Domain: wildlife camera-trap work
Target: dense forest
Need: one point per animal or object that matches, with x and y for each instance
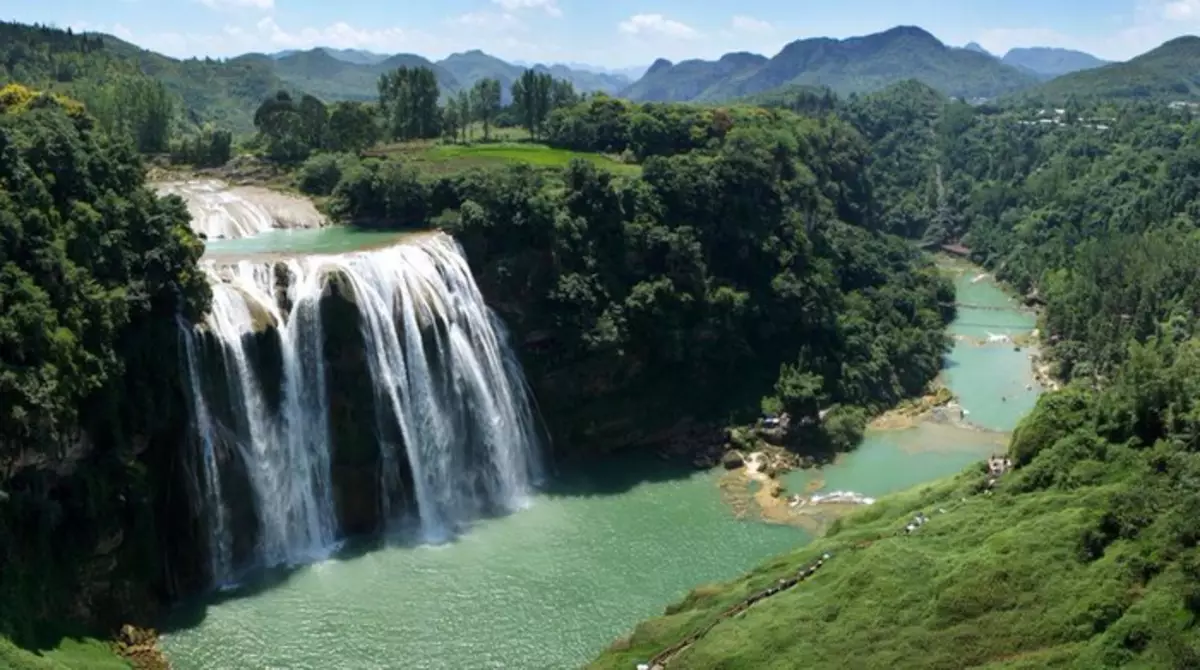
(94, 272)
(744, 262)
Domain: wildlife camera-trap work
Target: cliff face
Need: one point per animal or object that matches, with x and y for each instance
(103, 535)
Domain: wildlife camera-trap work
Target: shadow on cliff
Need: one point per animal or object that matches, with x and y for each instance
(612, 476)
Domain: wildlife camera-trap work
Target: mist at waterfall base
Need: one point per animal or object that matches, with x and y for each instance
(454, 426)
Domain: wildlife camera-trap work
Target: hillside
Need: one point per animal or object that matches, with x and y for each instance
(337, 75)
(854, 65)
(224, 93)
(356, 56)
(1084, 557)
(320, 73)
(1169, 72)
(1049, 62)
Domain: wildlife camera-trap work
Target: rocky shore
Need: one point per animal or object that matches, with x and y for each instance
(140, 647)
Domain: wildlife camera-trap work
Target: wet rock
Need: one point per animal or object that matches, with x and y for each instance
(732, 460)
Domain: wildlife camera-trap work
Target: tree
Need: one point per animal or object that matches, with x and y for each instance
(486, 103)
(465, 114)
(451, 119)
(409, 99)
(280, 124)
(314, 119)
(532, 98)
(353, 126)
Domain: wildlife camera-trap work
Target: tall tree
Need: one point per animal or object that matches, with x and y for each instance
(409, 98)
(353, 126)
(280, 125)
(486, 102)
(532, 98)
(466, 114)
(314, 120)
(450, 119)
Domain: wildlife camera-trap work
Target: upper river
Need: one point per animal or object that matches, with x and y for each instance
(595, 552)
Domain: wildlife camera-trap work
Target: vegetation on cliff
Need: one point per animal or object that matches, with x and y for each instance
(93, 271)
(743, 261)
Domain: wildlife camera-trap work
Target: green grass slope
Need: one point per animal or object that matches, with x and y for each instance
(69, 654)
(1170, 72)
(1084, 557)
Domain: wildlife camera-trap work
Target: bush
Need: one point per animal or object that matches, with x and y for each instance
(320, 174)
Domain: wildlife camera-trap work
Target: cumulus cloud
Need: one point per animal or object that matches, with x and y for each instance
(549, 6)
(749, 24)
(657, 25)
(238, 4)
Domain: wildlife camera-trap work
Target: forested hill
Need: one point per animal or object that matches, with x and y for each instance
(854, 65)
(1088, 554)
(98, 69)
(1170, 72)
(101, 69)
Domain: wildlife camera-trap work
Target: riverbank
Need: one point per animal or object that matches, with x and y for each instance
(988, 385)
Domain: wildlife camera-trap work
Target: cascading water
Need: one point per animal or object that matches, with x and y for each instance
(467, 424)
(221, 211)
(207, 496)
(454, 423)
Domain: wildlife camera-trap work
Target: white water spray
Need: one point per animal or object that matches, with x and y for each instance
(221, 211)
(444, 379)
(208, 495)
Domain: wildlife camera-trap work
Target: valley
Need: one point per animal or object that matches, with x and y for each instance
(330, 357)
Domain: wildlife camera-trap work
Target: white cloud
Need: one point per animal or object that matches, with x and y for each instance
(549, 6)
(494, 22)
(1148, 25)
(657, 25)
(749, 24)
(490, 32)
(1182, 10)
(238, 4)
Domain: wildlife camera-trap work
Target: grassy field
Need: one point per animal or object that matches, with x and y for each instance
(69, 654)
(995, 581)
(444, 158)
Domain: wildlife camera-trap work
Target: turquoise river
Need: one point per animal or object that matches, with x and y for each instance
(595, 552)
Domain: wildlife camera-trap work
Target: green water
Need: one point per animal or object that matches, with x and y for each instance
(552, 585)
(331, 240)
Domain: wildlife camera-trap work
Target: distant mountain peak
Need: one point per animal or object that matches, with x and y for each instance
(908, 31)
(1051, 61)
(659, 65)
(977, 48)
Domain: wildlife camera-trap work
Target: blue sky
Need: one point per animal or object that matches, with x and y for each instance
(614, 33)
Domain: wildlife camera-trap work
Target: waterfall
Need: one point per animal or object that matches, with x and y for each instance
(453, 420)
(286, 452)
(207, 495)
(467, 424)
(221, 211)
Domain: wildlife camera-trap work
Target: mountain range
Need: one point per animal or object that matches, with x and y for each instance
(353, 74)
(226, 92)
(853, 65)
